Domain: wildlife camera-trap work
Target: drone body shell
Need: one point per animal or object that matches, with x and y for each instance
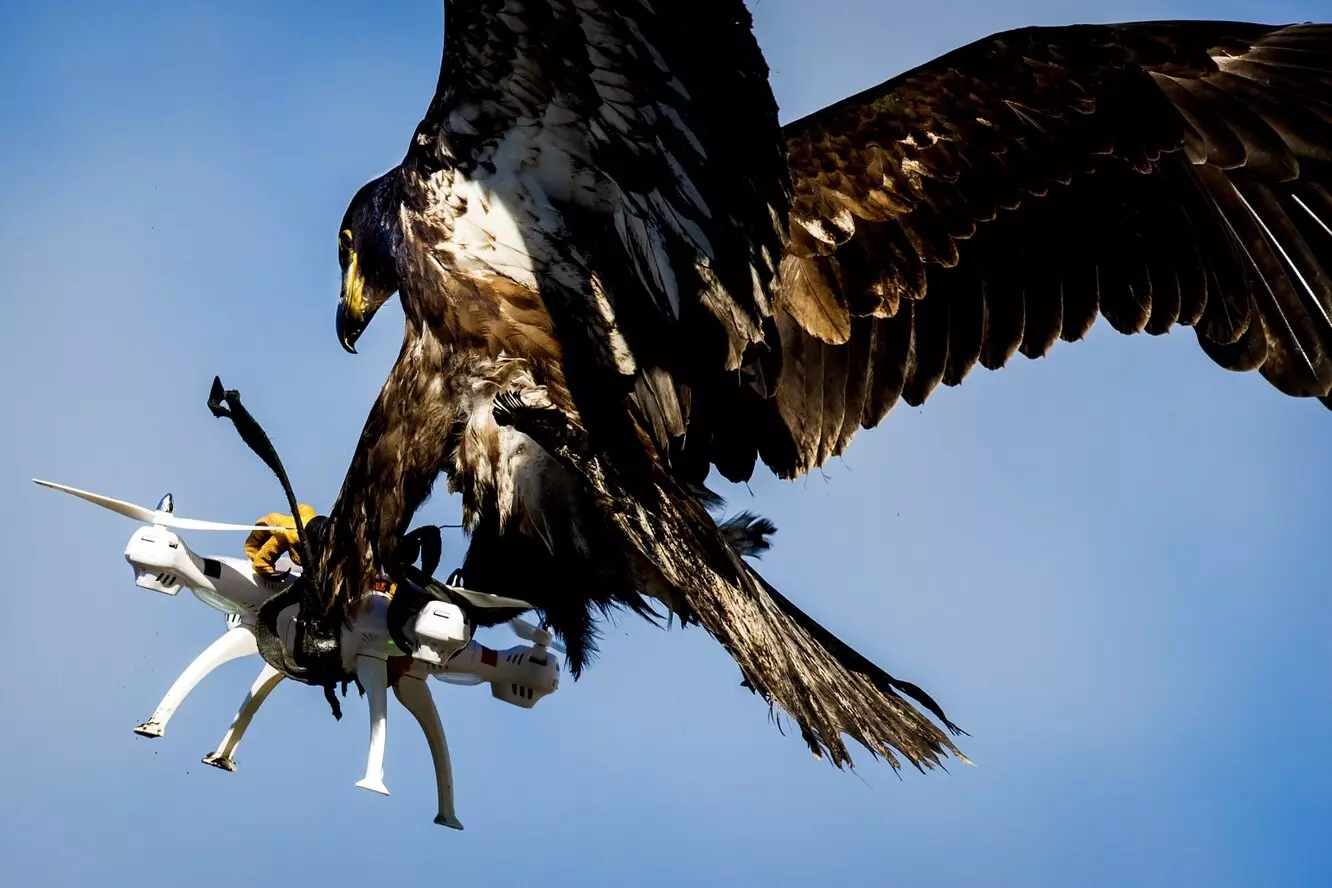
(441, 632)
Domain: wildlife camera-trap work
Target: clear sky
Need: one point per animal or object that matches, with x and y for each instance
(1111, 566)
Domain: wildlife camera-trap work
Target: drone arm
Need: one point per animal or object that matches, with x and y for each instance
(521, 676)
(268, 679)
(415, 697)
(234, 643)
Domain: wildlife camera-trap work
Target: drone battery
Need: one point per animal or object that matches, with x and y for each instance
(441, 631)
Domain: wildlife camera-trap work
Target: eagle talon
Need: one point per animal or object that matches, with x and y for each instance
(507, 407)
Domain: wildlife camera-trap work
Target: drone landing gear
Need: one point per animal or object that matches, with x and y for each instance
(223, 758)
(235, 643)
(372, 672)
(415, 697)
(410, 688)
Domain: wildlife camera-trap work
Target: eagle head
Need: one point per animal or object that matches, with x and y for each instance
(367, 251)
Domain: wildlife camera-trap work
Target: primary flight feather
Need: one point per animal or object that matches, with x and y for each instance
(619, 271)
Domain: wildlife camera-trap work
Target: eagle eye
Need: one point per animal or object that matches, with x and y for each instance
(345, 241)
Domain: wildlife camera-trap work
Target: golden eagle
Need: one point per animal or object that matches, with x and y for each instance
(619, 271)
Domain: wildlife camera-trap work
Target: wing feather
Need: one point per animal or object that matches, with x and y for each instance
(992, 202)
(603, 185)
(1006, 195)
(638, 123)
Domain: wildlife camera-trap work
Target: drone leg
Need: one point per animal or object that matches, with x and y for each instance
(259, 691)
(413, 694)
(233, 644)
(373, 673)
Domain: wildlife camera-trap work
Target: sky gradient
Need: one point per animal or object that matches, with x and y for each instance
(1111, 566)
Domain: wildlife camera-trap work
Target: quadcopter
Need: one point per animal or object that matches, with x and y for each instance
(440, 636)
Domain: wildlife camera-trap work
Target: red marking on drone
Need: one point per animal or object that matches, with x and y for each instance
(488, 657)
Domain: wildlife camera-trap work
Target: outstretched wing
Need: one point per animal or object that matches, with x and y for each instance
(999, 198)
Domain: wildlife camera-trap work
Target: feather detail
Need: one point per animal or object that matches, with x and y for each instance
(618, 271)
(1154, 174)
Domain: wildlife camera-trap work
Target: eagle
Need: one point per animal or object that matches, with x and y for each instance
(620, 272)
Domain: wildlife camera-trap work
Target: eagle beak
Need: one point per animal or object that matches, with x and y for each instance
(351, 324)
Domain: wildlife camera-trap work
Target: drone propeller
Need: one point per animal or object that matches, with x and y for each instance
(456, 678)
(163, 517)
(453, 587)
(483, 600)
(535, 634)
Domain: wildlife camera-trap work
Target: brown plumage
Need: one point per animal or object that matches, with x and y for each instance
(996, 200)
(619, 272)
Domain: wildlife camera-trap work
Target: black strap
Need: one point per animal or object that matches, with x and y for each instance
(425, 543)
(318, 636)
(405, 604)
(257, 440)
(266, 638)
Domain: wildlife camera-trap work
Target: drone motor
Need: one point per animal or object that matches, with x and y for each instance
(441, 631)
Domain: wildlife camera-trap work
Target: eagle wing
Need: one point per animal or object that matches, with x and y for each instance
(635, 120)
(768, 293)
(997, 199)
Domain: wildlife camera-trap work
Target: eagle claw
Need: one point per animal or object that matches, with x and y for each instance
(507, 407)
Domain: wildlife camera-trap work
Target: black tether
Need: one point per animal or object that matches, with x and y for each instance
(257, 440)
(426, 543)
(318, 639)
(405, 604)
(266, 638)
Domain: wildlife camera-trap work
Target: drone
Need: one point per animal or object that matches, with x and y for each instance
(440, 635)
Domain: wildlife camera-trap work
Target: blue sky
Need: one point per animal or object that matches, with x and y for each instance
(1111, 566)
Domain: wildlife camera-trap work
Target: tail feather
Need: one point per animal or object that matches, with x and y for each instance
(826, 686)
(748, 533)
(788, 659)
(853, 660)
(686, 561)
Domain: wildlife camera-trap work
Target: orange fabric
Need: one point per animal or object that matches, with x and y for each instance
(265, 547)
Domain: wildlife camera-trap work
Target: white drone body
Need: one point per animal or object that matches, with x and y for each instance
(441, 633)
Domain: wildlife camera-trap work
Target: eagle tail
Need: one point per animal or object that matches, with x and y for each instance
(748, 533)
(686, 560)
(852, 660)
(825, 686)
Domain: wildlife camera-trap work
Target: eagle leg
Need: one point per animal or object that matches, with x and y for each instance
(408, 598)
(547, 426)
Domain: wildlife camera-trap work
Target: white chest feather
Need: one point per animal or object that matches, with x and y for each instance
(501, 217)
